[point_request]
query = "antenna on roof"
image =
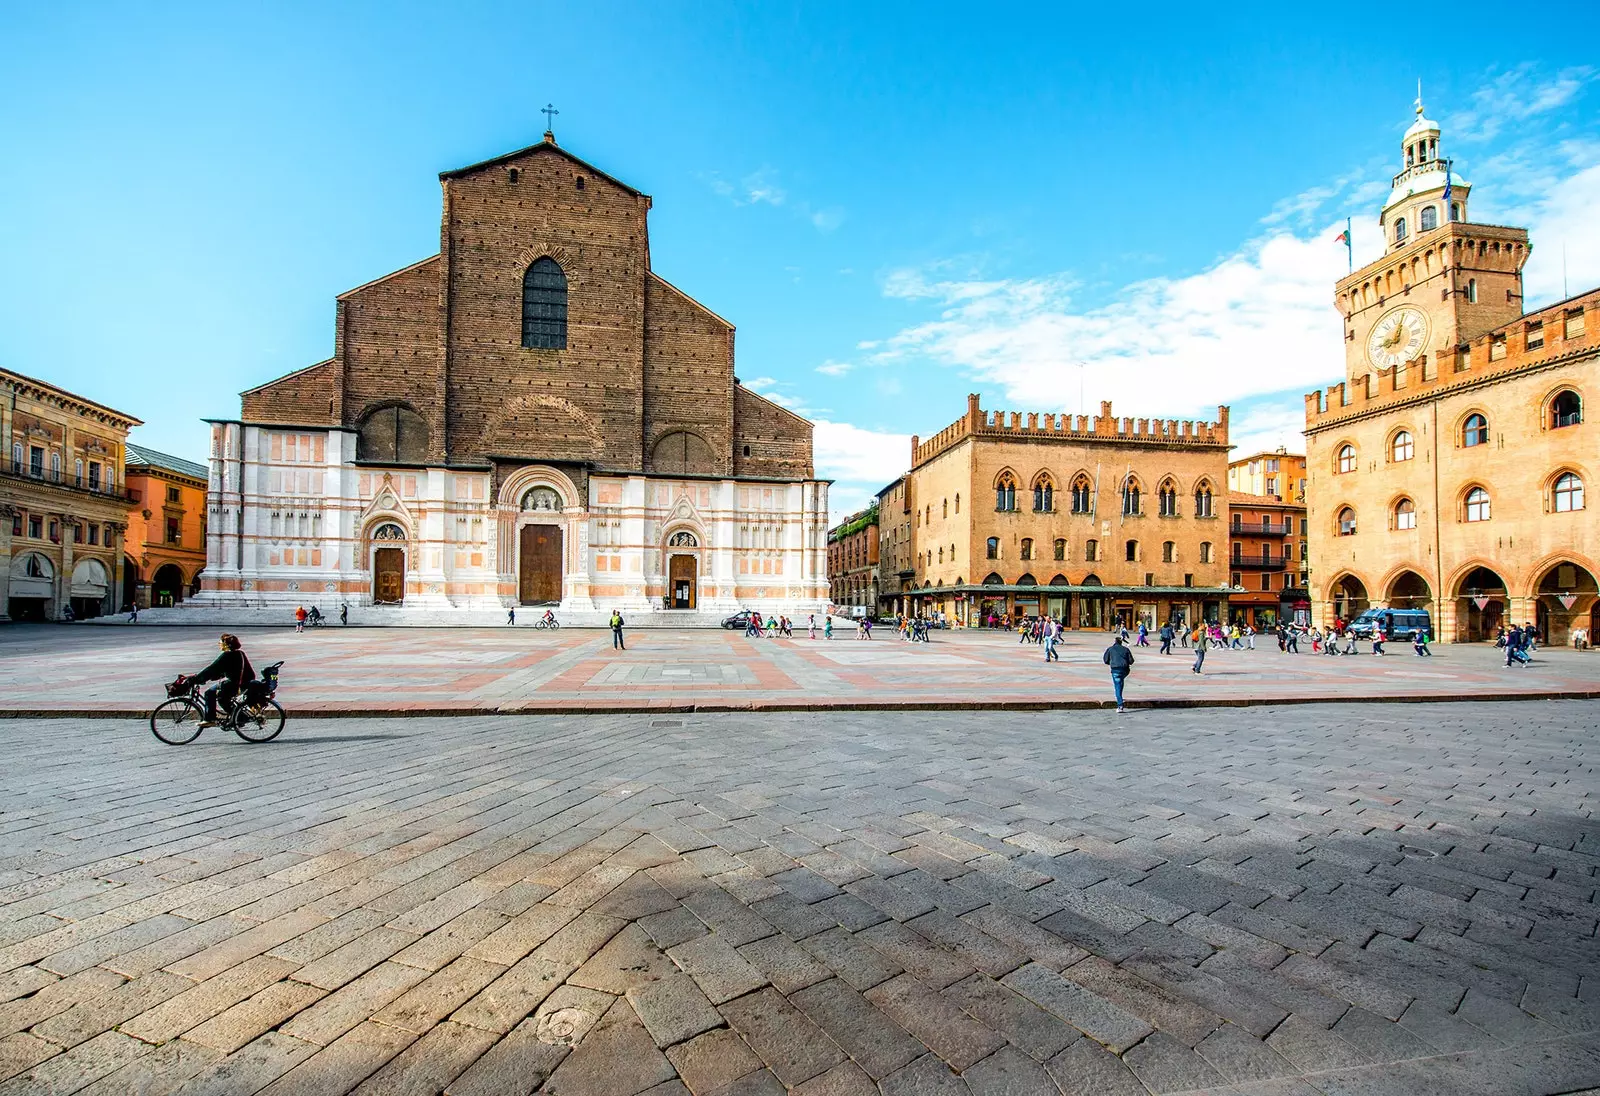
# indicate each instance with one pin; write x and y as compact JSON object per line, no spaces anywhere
{"x":1419,"y":95}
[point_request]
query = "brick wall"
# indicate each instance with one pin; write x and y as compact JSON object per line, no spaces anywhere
{"x":388,"y":338}
{"x":688,"y":372}
{"x":769,"y":440}
{"x":308,"y":396}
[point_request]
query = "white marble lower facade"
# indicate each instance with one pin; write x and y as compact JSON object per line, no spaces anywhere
{"x":293,"y":519}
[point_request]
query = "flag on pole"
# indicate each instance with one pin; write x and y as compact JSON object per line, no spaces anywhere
{"x":1447,"y":191}
{"x":1344,"y":238}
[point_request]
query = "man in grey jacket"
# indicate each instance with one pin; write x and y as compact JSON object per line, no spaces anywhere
{"x":1120,"y":659}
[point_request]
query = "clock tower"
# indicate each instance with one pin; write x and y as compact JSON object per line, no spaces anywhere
{"x":1442,"y":280}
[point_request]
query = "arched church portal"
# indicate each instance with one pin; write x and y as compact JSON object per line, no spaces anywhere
{"x":388,"y":564}
{"x":683,"y":570}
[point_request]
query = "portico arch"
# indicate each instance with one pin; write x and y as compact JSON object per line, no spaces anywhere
{"x":1406,"y":589}
{"x":1565,"y":598}
{"x":166,"y":585}
{"x":1348,"y":596}
{"x":540,"y":515}
{"x":1481,"y":603}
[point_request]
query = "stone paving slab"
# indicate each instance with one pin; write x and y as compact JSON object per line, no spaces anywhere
{"x":113,"y":672}
{"x":1318,"y":899}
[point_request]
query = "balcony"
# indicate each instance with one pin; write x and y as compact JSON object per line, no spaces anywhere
{"x":1268,"y":530}
{"x":1260,"y":563}
{"x":25,"y":470}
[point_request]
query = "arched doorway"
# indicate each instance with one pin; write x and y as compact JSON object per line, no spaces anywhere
{"x":90,"y":590}
{"x":166,"y":586}
{"x":683,"y":570}
{"x":130,"y":585}
{"x":1566,"y":600}
{"x":31,"y":586}
{"x":1409,"y":590}
{"x":1480,"y":605}
{"x":539,"y":549}
{"x":1349,"y":597}
{"x":388,"y":564}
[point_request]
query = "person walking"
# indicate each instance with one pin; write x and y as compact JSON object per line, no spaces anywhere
{"x":300,"y":618}
{"x":827,"y":626}
{"x":1249,"y":638}
{"x":1199,"y":655}
{"x":1419,"y":643}
{"x":1377,"y":639}
{"x":133,"y":613}
{"x":1183,"y":637}
{"x":511,"y":617}
{"x":1050,"y":634}
{"x":1166,"y":639}
{"x":1144,"y":634}
{"x":813,"y":626}
{"x":1120,"y":659}
{"x":344,"y":613}
{"x":1293,"y":640}
{"x":616,"y":631}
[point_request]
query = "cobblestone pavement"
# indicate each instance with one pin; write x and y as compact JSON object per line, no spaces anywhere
{"x":451,"y":671}
{"x":1374,"y":899}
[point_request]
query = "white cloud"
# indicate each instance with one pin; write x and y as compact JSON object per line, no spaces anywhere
{"x":860,"y":461}
{"x":1268,"y":424}
{"x":1515,"y":96}
{"x":761,"y":187}
{"x":831,"y":368}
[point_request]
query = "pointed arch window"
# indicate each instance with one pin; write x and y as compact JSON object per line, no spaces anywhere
{"x":1168,"y":496}
{"x":1044,"y":495}
{"x":1405,"y":514}
{"x":1568,"y":493}
{"x":991,"y":548}
{"x":1205,"y":551}
{"x":1403,"y":447}
{"x":1132,"y":550}
{"x":1347,"y":458}
{"x":1060,"y":548}
{"x":544,"y":305}
{"x":1130,"y":497}
{"x":1477,"y":505}
{"x":1475,"y":431}
{"x":1566,"y":409}
{"x":1091,"y":551}
{"x":1347,"y":522}
{"x":1027,"y":547}
{"x":1005,"y":492}
{"x":1080,"y":495}
{"x":1202,"y":500}
{"x":1399,"y":229}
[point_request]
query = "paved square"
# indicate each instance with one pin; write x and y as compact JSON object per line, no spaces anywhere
{"x":116,"y":669}
{"x":1286,"y":900}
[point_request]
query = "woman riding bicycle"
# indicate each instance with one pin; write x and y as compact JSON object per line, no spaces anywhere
{"x":230,"y":671}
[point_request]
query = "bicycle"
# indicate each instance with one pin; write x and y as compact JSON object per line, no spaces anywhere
{"x":254,"y":715}
{"x":547,"y":621}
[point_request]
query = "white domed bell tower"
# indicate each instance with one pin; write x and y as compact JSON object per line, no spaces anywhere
{"x":1426,"y":193}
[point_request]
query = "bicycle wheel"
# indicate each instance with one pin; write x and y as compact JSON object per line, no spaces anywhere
{"x":259,"y":722}
{"x":176,"y":722}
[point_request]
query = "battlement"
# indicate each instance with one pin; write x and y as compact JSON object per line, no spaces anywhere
{"x":1559,"y":332}
{"x":1104,"y":428}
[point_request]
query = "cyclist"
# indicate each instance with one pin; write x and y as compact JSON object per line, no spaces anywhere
{"x":230,"y":671}
{"x":548,"y":618}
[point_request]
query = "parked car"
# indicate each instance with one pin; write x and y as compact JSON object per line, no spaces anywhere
{"x":1396,"y":623}
{"x":738,"y":621}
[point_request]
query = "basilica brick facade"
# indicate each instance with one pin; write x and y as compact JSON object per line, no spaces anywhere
{"x":531,"y":416}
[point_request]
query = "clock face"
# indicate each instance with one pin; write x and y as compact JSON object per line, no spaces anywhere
{"x":1397,"y":338}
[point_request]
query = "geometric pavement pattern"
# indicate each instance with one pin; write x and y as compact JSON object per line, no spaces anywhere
{"x":1288,"y":901}
{"x":119,"y":670}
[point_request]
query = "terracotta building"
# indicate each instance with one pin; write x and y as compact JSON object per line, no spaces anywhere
{"x":533,"y":416}
{"x":1093,"y":520}
{"x":63,"y":503}
{"x":1448,"y":471}
{"x":1276,"y":473}
{"x":166,"y":542}
{"x":853,"y":560}
{"x":1267,"y":560}
{"x":897,"y":569}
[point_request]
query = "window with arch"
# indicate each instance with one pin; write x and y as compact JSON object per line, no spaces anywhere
{"x":1477,"y":505}
{"x":1429,"y":220}
{"x":952,"y":553}
{"x":1405,"y":514}
{"x":1205,"y":551}
{"x":1346,"y":461}
{"x":682,"y":451}
{"x":1130,"y":496}
{"x":1044,"y":495}
{"x":1131,"y":550}
{"x":1169,"y":552}
{"x":77,"y":470}
{"x":1399,"y":229}
{"x":941,"y":553}
{"x":991,"y":548}
{"x":1027,"y":547}
{"x":544,"y":305}
{"x":1202,"y":500}
{"x":1567,"y":493}
{"x":1080,"y":495}
{"x":1472,"y":291}
{"x":1475,"y":431}
{"x":958,"y":502}
{"x":945,"y":503}
{"x":1167,"y":499}
{"x":1402,"y":447}
{"x":1566,"y":409}
{"x":1455,"y":211}
{"x":1091,"y":551}
{"x":1347,"y":522}
{"x":1005,"y":492}
{"x":55,"y":467}
{"x":393,"y":434}
{"x":1060,"y":549}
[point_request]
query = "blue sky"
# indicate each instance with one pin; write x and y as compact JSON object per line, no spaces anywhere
{"x":895,"y":204}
